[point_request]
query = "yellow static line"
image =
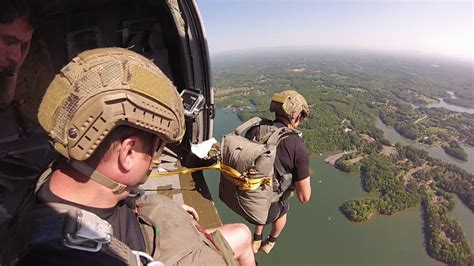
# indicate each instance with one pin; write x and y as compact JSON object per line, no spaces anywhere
{"x":238,"y":179}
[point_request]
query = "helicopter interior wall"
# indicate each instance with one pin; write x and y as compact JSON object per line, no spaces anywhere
{"x":147,"y":27}
{"x":70,"y":26}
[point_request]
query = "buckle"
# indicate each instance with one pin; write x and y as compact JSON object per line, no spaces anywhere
{"x":143,"y":257}
{"x":86,"y":231}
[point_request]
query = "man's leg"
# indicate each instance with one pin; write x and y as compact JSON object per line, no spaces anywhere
{"x":277,"y":228}
{"x":239,"y":238}
{"x":259,"y":229}
{"x":257,"y":238}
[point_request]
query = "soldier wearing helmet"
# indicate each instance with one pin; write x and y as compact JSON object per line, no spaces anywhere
{"x":109,"y":112}
{"x":292,"y":157}
{"x":289,"y":105}
{"x":24,"y":151}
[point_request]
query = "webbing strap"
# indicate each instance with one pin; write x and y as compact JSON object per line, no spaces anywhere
{"x":275,"y":137}
{"x":279,"y":167}
{"x":237,"y":178}
{"x":121,"y":251}
{"x":216,"y":166}
{"x":251,"y":122}
{"x":52,"y":230}
{"x":116,"y":187}
{"x":280,"y":134}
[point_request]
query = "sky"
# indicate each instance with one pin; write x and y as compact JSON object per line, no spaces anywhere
{"x":439,"y":28}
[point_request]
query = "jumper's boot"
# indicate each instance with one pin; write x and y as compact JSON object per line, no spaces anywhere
{"x":267,"y":246}
{"x":256,"y":246}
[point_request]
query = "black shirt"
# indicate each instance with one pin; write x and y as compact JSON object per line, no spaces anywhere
{"x":291,"y":152}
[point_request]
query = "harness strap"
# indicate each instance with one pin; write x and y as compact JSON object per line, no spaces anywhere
{"x":279,"y":167}
{"x":280,"y":134}
{"x":251,"y":122}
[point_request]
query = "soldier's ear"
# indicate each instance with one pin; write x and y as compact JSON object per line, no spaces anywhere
{"x":126,"y":153}
{"x":297,"y":119}
{"x":301,"y":116}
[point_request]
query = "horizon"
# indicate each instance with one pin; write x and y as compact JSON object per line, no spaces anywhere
{"x":436,"y":29}
{"x":275,"y":52}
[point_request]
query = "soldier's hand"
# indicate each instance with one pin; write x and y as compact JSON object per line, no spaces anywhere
{"x":191,"y":211}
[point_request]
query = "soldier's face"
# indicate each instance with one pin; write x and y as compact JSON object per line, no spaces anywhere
{"x":150,"y":152}
{"x":15,"y":41}
{"x":297,"y":121}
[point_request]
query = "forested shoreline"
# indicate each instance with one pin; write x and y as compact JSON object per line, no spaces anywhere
{"x":347,"y":94}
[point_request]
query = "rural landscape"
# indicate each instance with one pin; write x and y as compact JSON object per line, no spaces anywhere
{"x":353,"y":97}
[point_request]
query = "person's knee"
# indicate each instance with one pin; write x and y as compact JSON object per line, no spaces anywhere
{"x":245,"y":232}
{"x":238,"y":235}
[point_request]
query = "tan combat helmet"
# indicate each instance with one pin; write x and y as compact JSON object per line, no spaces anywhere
{"x":104,"y":88}
{"x":289,"y":103}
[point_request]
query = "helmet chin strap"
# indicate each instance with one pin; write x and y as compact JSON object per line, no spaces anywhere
{"x":116,"y":187}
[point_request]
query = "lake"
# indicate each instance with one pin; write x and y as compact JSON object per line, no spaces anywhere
{"x":436,"y":152}
{"x":451,"y":107}
{"x":318,"y":234}
{"x":463,"y":214}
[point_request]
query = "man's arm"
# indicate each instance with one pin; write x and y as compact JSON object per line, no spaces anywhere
{"x":303,"y":190}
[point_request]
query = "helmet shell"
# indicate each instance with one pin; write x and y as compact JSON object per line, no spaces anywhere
{"x":290,"y":104}
{"x":101,"y":89}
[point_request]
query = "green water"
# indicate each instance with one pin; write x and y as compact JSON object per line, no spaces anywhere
{"x":451,"y":107}
{"x":461,"y":213}
{"x":318,"y":234}
{"x":436,"y":152}
{"x":465,"y":218}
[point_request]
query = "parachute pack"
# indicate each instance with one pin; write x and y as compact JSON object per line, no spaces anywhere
{"x":254,"y":160}
{"x":248,"y":184}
